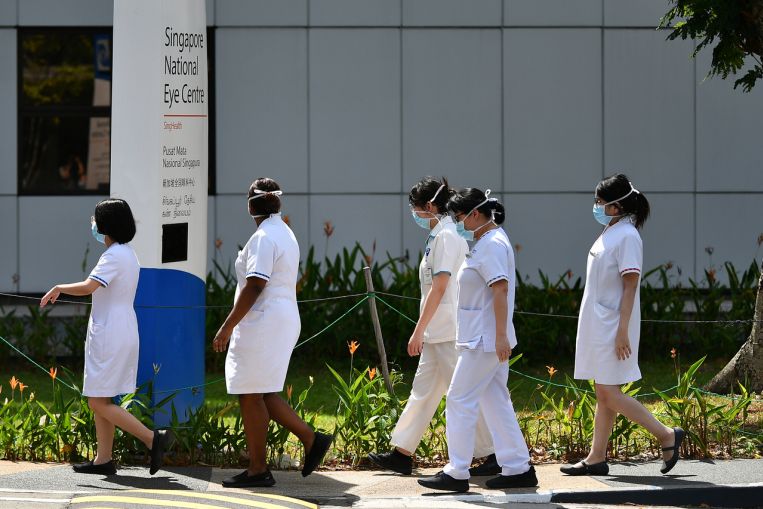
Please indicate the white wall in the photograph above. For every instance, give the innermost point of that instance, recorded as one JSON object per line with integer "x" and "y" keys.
{"x": 348, "y": 102}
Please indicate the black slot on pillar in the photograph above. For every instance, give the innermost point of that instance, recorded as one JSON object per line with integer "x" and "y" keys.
{"x": 174, "y": 242}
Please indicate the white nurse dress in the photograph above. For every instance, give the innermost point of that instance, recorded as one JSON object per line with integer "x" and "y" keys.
{"x": 111, "y": 347}
{"x": 617, "y": 251}
{"x": 262, "y": 342}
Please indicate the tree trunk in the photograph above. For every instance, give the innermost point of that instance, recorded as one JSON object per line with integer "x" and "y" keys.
{"x": 747, "y": 365}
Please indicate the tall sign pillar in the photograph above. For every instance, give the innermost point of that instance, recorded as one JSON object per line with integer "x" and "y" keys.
{"x": 159, "y": 165}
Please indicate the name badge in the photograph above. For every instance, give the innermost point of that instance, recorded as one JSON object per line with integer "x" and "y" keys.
{"x": 428, "y": 276}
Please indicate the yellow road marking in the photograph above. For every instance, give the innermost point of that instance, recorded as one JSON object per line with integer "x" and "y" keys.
{"x": 144, "y": 501}
{"x": 274, "y": 497}
{"x": 178, "y": 493}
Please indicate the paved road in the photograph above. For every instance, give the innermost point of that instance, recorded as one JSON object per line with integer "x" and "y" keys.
{"x": 51, "y": 486}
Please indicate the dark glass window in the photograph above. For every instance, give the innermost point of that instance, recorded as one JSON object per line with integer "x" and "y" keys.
{"x": 64, "y": 120}
{"x": 64, "y": 111}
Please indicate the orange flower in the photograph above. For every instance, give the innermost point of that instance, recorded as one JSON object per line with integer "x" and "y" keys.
{"x": 673, "y": 353}
{"x": 353, "y": 345}
{"x": 570, "y": 410}
{"x": 711, "y": 275}
{"x": 551, "y": 370}
{"x": 286, "y": 220}
{"x": 218, "y": 243}
{"x": 517, "y": 247}
{"x": 22, "y": 387}
{"x": 328, "y": 228}
{"x": 53, "y": 372}
{"x": 14, "y": 383}
{"x": 289, "y": 389}
{"x": 371, "y": 373}
{"x": 569, "y": 273}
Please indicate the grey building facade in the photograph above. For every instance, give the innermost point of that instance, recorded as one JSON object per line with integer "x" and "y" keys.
{"x": 346, "y": 103}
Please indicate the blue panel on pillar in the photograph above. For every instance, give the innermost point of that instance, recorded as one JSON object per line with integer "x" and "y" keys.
{"x": 170, "y": 308}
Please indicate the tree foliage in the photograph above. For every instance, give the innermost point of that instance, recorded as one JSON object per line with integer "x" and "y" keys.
{"x": 736, "y": 25}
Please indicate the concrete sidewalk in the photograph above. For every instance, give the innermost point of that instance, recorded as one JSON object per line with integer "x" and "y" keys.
{"x": 737, "y": 483}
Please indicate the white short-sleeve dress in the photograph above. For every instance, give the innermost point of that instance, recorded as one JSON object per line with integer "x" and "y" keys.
{"x": 111, "y": 347}
{"x": 262, "y": 342}
{"x": 616, "y": 252}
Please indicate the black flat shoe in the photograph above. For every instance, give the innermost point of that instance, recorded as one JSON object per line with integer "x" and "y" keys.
{"x": 157, "y": 450}
{"x": 444, "y": 482}
{"x": 488, "y": 467}
{"x": 667, "y": 466}
{"x": 314, "y": 458}
{"x": 244, "y": 480}
{"x": 393, "y": 460}
{"x": 89, "y": 467}
{"x": 586, "y": 469}
{"x": 524, "y": 480}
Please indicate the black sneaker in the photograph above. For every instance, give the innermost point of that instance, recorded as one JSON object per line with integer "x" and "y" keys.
{"x": 488, "y": 467}
{"x": 244, "y": 480}
{"x": 89, "y": 467}
{"x": 444, "y": 482}
{"x": 523, "y": 480}
{"x": 314, "y": 458}
{"x": 393, "y": 460}
{"x": 157, "y": 450}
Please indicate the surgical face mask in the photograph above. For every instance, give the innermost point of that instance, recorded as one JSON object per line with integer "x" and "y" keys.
{"x": 421, "y": 221}
{"x": 461, "y": 227}
{"x": 100, "y": 237}
{"x": 599, "y": 213}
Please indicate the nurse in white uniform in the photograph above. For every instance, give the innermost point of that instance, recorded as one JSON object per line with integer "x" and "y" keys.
{"x": 111, "y": 347}
{"x": 485, "y": 338}
{"x": 434, "y": 336}
{"x": 262, "y": 329}
{"x": 607, "y": 343}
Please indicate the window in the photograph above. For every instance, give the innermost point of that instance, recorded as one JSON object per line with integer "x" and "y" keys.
{"x": 64, "y": 116}
{"x": 64, "y": 111}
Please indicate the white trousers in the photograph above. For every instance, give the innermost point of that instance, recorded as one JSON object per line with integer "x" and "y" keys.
{"x": 436, "y": 366}
{"x": 479, "y": 384}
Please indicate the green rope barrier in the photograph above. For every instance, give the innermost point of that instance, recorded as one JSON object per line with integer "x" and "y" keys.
{"x": 35, "y": 363}
{"x": 536, "y": 379}
{"x": 361, "y": 301}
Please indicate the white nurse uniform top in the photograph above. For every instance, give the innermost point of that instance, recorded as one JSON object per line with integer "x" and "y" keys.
{"x": 111, "y": 347}
{"x": 616, "y": 252}
{"x": 262, "y": 342}
{"x": 490, "y": 260}
{"x": 445, "y": 252}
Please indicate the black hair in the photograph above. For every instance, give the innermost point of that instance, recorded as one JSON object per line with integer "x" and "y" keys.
{"x": 267, "y": 204}
{"x": 114, "y": 218}
{"x": 466, "y": 199}
{"x": 425, "y": 189}
{"x": 615, "y": 187}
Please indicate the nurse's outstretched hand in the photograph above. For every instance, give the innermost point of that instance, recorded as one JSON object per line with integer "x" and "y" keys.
{"x": 502, "y": 348}
{"x": 51, "y": 296}
{"x": 415, "y": 345}
{"x": 622, "y": 345}
{"x": 220, "y": 343}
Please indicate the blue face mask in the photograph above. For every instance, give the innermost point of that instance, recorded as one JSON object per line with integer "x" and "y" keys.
{"x": 100, "y": 237}
{"x": 468, "y": 235}
{"x": 599, "y": 208}
{"x": 461, "y": 227}
{"x": 421, "y": 221}
{"x": 601, "y": 216}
